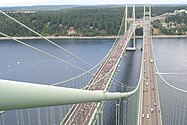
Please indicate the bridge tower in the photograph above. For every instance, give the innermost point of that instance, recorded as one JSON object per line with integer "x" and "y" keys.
{"x": 130, "y": 21}
{"x": 147, "y": 12}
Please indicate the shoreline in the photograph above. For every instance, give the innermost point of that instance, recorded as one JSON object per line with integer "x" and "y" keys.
{"x": 61, "y": 37}
{"x": 94, "y": 37}
{"x": 169, "y": 36}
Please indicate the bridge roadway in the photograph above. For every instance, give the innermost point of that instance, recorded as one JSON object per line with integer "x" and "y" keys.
{"x": 150, "y": 104}
{"x": 84, "y": 113}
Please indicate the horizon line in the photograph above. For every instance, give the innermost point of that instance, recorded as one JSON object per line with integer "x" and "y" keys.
{"x": 86, "y": 4}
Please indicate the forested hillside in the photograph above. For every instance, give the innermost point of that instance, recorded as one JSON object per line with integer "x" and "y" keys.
{"x": 73, "y": 22}
{"x": 173, "y": 25}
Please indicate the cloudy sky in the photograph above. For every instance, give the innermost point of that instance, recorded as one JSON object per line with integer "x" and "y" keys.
{"x": 85, "y": 2}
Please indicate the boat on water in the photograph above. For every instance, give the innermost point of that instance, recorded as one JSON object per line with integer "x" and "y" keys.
{"x": 1, "y": 112}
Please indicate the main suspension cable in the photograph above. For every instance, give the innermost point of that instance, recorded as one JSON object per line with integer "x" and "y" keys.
{"x": 172, "y": 86}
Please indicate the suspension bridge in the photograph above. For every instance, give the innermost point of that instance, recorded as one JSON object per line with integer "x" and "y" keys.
{"x": 142, "y": 105}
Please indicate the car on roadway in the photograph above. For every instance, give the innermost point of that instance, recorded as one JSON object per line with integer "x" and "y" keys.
{"x": 147, "y": 116}
{"x": 147, "y": 84}
{"x": 147, "y": 90}
{"x": 155, "y": 104}
{"x": 152, "y": 110}
{"x": 142, "y": 115}
{"x": 152, "y": 61}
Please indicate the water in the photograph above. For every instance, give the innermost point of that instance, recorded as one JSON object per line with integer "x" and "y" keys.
{"x": 24, "y": 64}
{"x": 171, "y": 57}
{"x": 39, "y": 68}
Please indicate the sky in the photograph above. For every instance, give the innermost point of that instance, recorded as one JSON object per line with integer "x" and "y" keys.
{"x": 5, "y": 3}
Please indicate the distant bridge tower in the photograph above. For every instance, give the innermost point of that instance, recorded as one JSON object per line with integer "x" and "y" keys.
{"x": 130, "y": 21}
{"x": 147, "y": 12}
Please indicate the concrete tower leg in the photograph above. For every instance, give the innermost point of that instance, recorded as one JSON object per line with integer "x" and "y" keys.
{"x": 126, "y": 18}
{"x": 133, "y": 19}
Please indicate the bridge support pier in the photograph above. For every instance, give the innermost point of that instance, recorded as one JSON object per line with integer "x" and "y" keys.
{"x": 133, "y": 20}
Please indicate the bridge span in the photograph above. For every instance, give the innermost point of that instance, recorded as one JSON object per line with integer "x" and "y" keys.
{"x": 84, "y": 113}
{"x": 150, "y": 104}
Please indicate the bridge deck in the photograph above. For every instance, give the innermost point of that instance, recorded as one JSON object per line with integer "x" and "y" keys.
{"x": 84, "y": 113}
{"x": 150, "y": 99}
